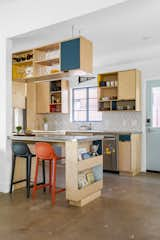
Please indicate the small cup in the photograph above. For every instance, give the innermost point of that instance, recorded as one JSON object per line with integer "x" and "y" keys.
{"x": 108, "y": 83}
{"x": 112, "y": 83}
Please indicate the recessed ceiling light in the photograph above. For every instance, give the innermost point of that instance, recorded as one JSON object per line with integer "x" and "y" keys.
{"x": 146, "y": 38}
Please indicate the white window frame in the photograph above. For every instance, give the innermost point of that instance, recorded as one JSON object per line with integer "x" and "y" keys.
{"x": 87, "y": 108}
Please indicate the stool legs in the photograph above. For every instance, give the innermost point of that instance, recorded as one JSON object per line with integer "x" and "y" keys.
{"x": 28, "y": 174}
{"x": 35, "y": 179}
{"x": 43, "y": 174}
{"x": 50, "y": 176}
{"x": 13, "y": 168}
{"x": 53, "y": 181}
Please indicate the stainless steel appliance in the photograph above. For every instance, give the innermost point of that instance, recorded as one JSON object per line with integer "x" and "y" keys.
{"x": 110, "y": 153}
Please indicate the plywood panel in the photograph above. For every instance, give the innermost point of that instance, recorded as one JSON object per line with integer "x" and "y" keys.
{"x": 124, "y": 153}
{"x": 42, "y": 97}
{"x": 138, "y": 91}
{"x": 136, "y": 152}
{"x": 31, "y": 105}
{"x": 86, "y": 55}
{"x": 127, "y": 84}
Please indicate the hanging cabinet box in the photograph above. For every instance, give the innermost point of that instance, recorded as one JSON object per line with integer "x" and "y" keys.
{"x": 42, "y": 97}
{"x": 76, "y": 54}
{"x": 51, "y": 61}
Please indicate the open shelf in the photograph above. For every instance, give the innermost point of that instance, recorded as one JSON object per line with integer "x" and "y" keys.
{"x": 90, "y": 162}
{"x": 108, "y": 87}
{"x": 82, "y": 193}
{"x": 50, "y": 47}
{"x": 27, "y": 62}
{"x": 48, "y": 62}
{"x": 46, "y": 77}
{"x": 117, "y": 105}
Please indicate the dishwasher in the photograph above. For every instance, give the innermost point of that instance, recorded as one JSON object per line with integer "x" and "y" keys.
{"x": 110, "y": 153}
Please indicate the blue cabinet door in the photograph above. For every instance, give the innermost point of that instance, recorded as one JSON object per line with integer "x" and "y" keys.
{"x": 70, "y": 55}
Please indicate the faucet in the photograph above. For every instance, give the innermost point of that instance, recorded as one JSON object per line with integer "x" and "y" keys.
{"x": 90, "y": 126}
{"x": 86, "y": 127}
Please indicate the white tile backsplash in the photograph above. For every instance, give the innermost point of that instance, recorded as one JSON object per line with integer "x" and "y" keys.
{"x": 116, "y": 121}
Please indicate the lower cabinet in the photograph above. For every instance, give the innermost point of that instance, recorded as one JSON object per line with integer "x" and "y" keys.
{"x": 129, "y": 154}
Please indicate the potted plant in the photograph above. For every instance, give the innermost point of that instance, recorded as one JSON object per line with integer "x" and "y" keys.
{"x": 18, "y": 128}
{"x": 45, "y": 124}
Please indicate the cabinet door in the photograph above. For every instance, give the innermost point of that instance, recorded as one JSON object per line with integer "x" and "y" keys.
{"x": 127, "y": 84}
{"x": 18, "y": 95}
{"x": 70, "y": 55}
{"x": 42, "y": 97}
{"x": 124, "y": 156}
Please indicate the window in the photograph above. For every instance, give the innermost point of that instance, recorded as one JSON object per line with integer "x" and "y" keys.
{"x": 85, "y": 105}
{"x": 156, "y": 107}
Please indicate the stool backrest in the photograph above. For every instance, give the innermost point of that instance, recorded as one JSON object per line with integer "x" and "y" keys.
{"x": 45, "y": 151}
{"x": 20, "y": 149}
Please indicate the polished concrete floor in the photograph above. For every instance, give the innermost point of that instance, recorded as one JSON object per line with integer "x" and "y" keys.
{"x": 128, "y": 209}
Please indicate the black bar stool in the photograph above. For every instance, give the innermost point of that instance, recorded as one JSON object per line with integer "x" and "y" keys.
{"x": 21, "y": 149}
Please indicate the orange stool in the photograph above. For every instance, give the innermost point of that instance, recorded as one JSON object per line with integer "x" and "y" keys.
{"x": 45, "y": 152}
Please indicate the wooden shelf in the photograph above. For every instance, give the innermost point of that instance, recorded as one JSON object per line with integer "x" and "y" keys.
{"x": 90, "y": 162}
{"x": 53, "y": 76}
{"x": 53, "y": 92}
{"x": 55, "y": 103}
{"x": 117, "y": 100}
{"x": 107, "y": 87}
{"x": 107, "y": 100}
{"x": 27, "y": 62}
{"x": 80, "y": 194}
{"x": 48, "y": 62}
{"x": 50, "y": 47}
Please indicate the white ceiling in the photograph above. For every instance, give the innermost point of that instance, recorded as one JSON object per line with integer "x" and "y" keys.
{"x": 127, "y": 28}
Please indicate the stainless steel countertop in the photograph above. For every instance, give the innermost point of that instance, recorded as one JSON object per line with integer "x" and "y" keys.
{"x": 55, "y": 138}
{"x": 101, "y": 132}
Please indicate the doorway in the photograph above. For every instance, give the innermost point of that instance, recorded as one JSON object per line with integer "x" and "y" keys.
{"x": 153, "y": 125}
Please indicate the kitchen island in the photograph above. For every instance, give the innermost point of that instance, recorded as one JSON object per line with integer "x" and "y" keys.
{"x": 78, "y": 191}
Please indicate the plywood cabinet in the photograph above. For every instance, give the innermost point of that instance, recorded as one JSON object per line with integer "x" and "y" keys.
{"x": 120, "y": 91}
{"x": 51, "y": 61}
{"x": 127, "y": 85}
{"x": 42, "y": 97}
{"x": 129, "y": 154}
{"x": 76, "y": 54}
{"x": 124, "y": 156}
{"x": 52, "y": 97}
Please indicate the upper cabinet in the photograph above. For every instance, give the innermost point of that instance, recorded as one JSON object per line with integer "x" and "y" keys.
{"x": 120, "y": 91}
{"x": 52, "y": 97}
{"x": 53, "y": 60}
{"x": 70, "y": 55}
{"x": 76, "y": 54}
{"x": 22, "y": 65}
